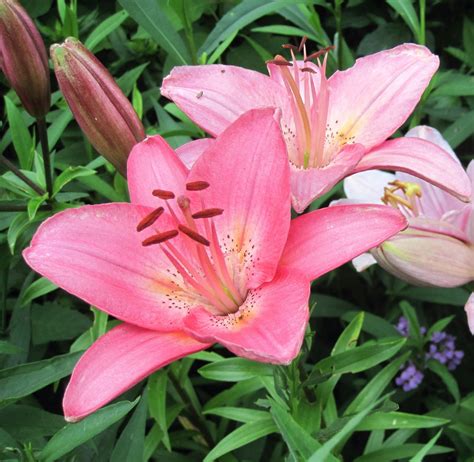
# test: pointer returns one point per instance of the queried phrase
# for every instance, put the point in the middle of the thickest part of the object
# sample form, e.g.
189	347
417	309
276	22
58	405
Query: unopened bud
23	58
101	109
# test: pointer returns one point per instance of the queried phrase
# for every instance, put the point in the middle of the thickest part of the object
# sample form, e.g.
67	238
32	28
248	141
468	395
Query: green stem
43	136
11	166
194	416
422	34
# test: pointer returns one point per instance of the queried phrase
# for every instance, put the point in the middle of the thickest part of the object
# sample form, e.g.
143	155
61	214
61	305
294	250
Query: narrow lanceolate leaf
152	17
238	17
400	452
443	373
40	287
131	444
324	452
22	141
238	414
406	10
243	435
419	456
73	435
19	381
234	370
356	360
376	386
393	420
104	29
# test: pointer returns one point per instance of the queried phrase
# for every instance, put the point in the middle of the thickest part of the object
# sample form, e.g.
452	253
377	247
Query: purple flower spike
443	349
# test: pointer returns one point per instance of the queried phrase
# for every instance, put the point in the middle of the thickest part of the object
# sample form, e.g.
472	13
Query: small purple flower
402	326
410	378
443	349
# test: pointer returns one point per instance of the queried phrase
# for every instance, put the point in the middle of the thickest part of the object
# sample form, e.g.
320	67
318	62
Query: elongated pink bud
23	58
427	258
102	111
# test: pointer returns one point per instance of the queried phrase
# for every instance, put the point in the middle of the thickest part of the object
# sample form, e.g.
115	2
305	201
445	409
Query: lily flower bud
23	58
101	109
427	258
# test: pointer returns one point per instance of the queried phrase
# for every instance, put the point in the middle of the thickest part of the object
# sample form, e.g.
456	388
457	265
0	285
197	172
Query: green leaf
456	296
240	16
127	81
375	387
234	370
152	17
242	436
455	84
217	53
40	287
104	29
419	456
299	442
405	9
157	384
238	414
233	394
7	348
400	452
21	137
34	204
324	452
448	379
73	435
356	360
130	446
19	381
53	322
439	326
413	324
68	175
27	422
393	420
460	130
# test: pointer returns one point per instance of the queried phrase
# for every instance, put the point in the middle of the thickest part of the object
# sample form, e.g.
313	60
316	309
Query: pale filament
409	203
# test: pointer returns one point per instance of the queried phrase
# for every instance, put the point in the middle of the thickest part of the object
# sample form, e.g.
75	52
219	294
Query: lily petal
422	159
322	240
247	169
214	96
307	184
469	308
367	187
190	152
373	98
152	164
364	261
117	361
95	253
269	326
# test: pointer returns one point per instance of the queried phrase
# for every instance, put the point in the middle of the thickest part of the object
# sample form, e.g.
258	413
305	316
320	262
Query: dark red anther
319	53
308	69
279	61
208	213
193	235
160	237
150	219
197	185
289	46
303	41
163	194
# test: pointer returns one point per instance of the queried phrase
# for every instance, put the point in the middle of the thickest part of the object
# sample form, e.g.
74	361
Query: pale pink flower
437	248
333	127
200	256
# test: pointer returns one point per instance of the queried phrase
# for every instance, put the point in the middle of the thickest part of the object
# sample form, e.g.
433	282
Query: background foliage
338	399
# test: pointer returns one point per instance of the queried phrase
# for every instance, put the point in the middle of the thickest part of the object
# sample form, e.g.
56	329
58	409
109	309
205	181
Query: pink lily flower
437	248
333	127
199	256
